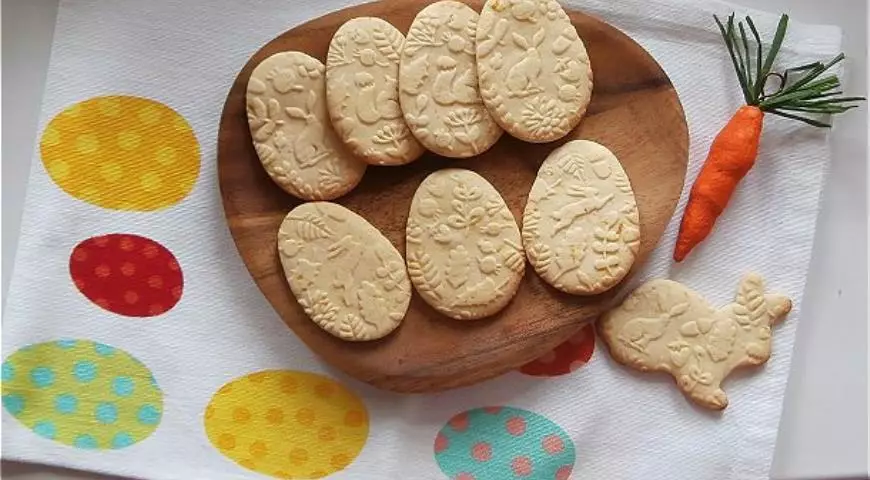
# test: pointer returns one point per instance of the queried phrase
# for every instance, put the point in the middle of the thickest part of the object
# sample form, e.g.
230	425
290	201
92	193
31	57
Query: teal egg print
503	443
82	393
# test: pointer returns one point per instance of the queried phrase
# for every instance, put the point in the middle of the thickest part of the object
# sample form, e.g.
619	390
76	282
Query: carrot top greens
802	90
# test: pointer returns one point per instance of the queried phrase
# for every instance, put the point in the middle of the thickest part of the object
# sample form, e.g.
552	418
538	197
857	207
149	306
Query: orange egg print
127	274
287	424
566	358
121	153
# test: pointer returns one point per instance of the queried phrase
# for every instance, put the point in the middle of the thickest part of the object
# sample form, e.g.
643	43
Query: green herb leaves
803	90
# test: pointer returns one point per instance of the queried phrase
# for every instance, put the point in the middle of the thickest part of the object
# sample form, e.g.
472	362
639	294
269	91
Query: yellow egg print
287	424
121	153
81	393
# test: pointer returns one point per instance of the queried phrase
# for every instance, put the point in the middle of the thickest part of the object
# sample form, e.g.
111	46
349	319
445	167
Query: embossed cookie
286	103
362	92
581	229
438	89
464	250
535	75
348	277
666	327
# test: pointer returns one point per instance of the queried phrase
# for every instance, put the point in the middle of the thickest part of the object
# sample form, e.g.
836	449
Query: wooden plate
635	112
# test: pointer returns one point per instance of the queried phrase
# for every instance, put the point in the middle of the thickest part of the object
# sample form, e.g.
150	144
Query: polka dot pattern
287	424
566	358
121	153
503	443
128	275
81	393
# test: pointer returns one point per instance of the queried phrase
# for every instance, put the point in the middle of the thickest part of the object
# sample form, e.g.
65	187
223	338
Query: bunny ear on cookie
539	37
778	306
520	41
295	112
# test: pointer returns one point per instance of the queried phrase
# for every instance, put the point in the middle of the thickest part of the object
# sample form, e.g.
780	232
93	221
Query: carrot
731	157
734	151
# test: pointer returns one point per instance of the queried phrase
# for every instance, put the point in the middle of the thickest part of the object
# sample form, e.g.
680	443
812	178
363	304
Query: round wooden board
634	111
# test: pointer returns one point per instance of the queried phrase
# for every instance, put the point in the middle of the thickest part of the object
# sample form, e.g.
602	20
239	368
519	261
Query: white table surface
824	427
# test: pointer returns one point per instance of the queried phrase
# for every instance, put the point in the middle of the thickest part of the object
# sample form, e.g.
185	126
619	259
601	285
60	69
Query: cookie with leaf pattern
347	277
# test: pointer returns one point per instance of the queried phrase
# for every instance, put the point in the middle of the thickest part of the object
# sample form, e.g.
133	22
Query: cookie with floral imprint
464	251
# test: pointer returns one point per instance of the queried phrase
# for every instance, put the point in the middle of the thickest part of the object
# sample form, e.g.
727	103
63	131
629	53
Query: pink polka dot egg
503	443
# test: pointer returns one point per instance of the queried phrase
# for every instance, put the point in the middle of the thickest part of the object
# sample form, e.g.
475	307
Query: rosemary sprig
802	89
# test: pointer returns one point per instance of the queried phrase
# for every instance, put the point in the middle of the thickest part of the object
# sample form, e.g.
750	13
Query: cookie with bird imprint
664	326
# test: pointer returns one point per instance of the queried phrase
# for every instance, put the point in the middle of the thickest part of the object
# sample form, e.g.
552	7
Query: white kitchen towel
603	421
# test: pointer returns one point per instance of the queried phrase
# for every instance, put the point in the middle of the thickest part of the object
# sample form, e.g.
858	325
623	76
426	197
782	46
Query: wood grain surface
634	111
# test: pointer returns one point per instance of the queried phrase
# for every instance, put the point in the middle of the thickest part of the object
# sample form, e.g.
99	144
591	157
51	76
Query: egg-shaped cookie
362	90
291	130
348	277
535	74
464	250
581	229
438	86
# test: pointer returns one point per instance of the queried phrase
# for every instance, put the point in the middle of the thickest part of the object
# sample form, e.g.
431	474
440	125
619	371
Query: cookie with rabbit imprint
535	73
362	89
664	326
291	130
438	83
581	226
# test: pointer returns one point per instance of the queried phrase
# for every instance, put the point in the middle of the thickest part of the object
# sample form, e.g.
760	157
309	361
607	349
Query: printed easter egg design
503	443
287	424
571	355
82	393
121	153
127	274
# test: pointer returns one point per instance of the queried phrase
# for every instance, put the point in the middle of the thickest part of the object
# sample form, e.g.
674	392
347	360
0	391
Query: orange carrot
734	151
731	157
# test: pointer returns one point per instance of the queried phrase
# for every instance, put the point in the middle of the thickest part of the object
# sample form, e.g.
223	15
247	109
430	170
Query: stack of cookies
453	86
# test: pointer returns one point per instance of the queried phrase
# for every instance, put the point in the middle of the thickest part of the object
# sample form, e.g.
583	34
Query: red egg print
481	452
127	274
522	466
566	358
516	426
553	444
459	422
441	443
